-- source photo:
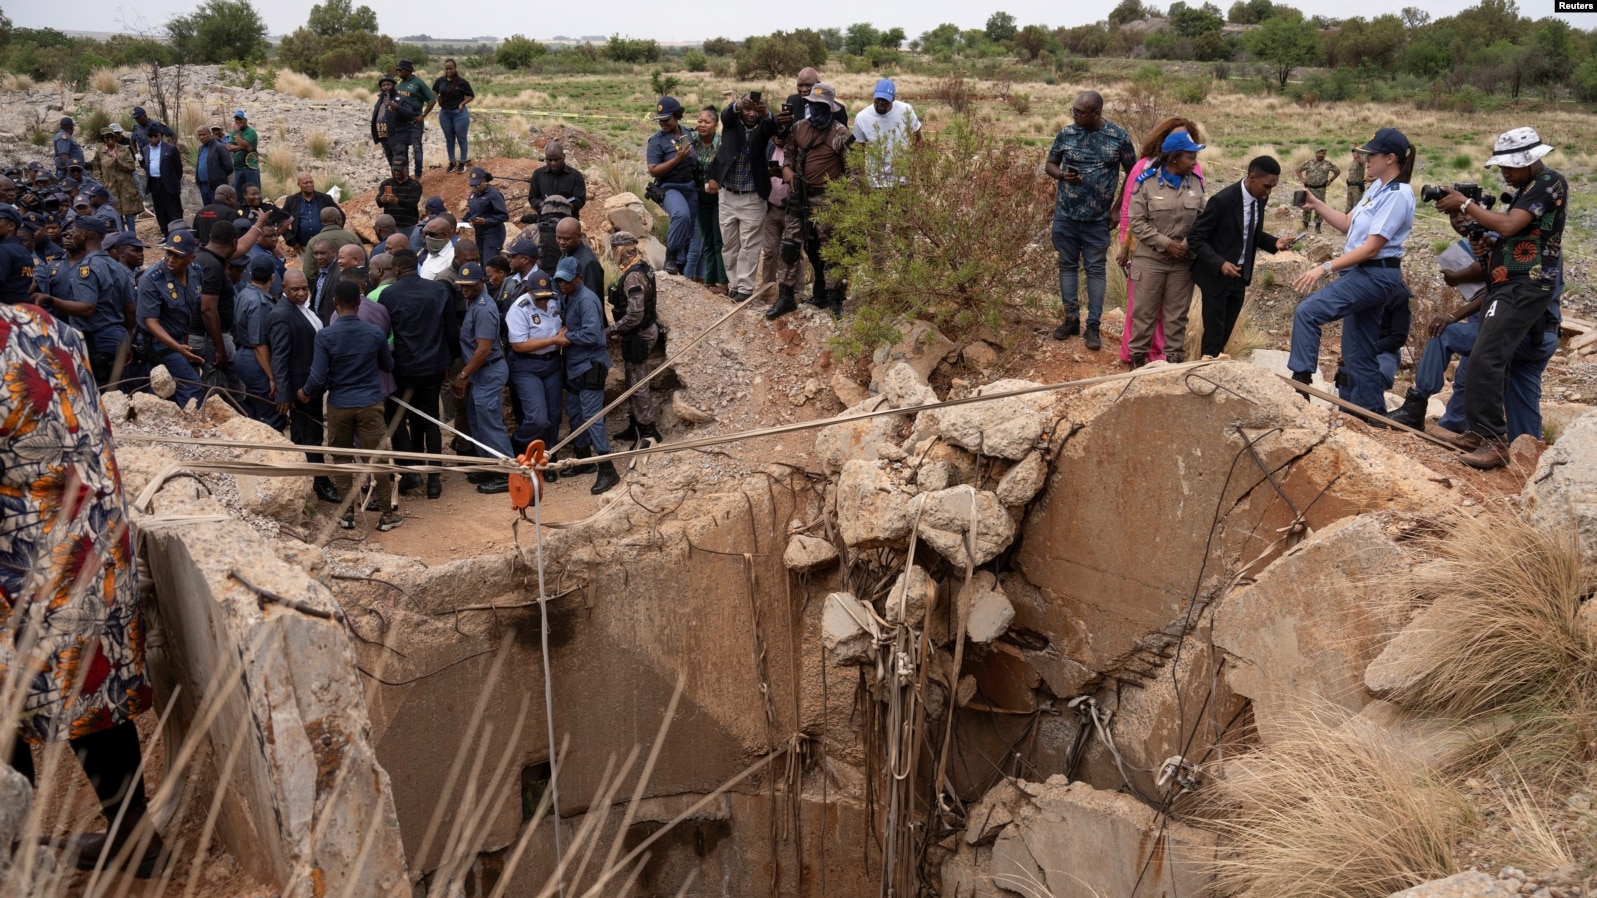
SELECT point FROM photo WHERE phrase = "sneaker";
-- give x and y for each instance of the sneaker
(389, 521)
(1093, 339)
(1070, 328)
(347, 522)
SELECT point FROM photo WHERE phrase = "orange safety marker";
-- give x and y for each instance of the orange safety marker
(524, 487)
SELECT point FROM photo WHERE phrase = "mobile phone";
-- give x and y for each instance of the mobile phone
(1300, 198)
(1300, 238)
(1071, 170)
(755, 96)
(276, 217)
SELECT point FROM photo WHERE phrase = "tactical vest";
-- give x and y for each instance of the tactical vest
(618, 295)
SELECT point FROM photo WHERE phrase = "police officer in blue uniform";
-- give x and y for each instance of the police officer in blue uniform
(98, 280)
(252, 361)
(66, 148)
(486, 211)
(481, 381)
(16, 263)
(168, 300)
(587, 364)
(536, 334)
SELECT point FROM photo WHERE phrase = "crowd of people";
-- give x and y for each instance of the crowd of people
(427, 328)
(1174, 235)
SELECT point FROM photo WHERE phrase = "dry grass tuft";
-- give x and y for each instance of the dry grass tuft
(318, 143)
(279, 163)
(106, 81)
(623, 177)
(1334, 813)
(189, 119)
(1514, 643)
(302, 86)
(11, 82)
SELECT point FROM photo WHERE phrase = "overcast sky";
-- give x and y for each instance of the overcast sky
(667, 21)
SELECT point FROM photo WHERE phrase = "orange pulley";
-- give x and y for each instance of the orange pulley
(523, 486)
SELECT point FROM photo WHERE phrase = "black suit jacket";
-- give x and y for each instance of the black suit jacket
(171, 168)
(1216, 238)
(733, 136)
(293, 342)
(292, 205)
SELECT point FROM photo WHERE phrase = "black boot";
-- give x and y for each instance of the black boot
(409, 483)
(1304, 377)
(1138, 359)
(784, 304)
(835, 298)
(607, 478)
(497, 483)
(325, 490)
(1070, 328)
(630, 434)
(1093, 339)
(435, 485)
(1175, 356)
(648, 435)
(819, 298)
(551, 476)
(582, 452)
(1412, 412)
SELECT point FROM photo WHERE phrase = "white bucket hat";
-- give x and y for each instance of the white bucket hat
(1518, 148)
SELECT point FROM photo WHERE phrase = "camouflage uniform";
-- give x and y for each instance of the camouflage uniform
(1315, 174)
(1355, 182)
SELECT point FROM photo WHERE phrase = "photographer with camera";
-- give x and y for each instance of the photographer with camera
(1371, 263)
(1452, 334)
(1524, 276)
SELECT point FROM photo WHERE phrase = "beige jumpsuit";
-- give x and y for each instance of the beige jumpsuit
(1161, 215)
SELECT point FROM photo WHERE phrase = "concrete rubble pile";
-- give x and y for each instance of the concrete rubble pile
(1103, 607)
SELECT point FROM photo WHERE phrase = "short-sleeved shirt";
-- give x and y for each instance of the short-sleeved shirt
(1316, 173)
(1537, 251)
(1099, 157)
(65, 145)
(172, 303)
(662, 147)
(481, 322)
(526, 321)
(1387, 210)
(246, 159)
(417, 90)
(891, 130)
(98, 279)
(215, 280)
(452, 93)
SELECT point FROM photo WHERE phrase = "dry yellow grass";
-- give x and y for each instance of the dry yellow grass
(11, 82)
(302, 86)
(106, 81)
(318, 143)
(1334, 813)
(279, 164)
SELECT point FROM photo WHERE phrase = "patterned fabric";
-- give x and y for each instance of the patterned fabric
(706, 151)
(1098, 156)
(1316, 173)
(67, 576)
(1537, 251)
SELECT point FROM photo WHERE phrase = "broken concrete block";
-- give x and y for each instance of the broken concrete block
(1002, 428)
(690, 413)
(216, 410)
(1562, 493)
(979, 355)
(625, 212)
(116, 406)
(1021, 482)
(806, 553)
(1400, 665)
(922, 347)
(989, 616)
(148, 408)
(161, 382)
(946, 516)
(992, 812)
(1304, 632)
(847, 391)
(279, 498)
(872, 509)
(1473, 884)
(867, 439)
(905, 387)
(913, 592)
(932, 476)
(848, 629)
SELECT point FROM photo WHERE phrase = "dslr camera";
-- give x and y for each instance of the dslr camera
(1430, 194)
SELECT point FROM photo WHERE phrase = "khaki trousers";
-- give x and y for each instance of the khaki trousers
(1164, 292)
(343, 426)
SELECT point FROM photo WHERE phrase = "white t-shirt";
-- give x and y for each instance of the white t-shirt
(891, 130)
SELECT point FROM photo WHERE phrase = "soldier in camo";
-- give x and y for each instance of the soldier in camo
(1355, 181)
(1317, 174)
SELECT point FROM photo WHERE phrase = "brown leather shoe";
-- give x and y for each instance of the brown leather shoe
(1468, 441)
(1492, 453)
(85, 852)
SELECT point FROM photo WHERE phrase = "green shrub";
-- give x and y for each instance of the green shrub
(663, 84)
(518, 52)
(978, 205)
(695, 61)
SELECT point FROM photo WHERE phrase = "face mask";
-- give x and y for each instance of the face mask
(821, 115)
(435, 244)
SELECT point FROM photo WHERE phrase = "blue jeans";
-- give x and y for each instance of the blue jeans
(580, 406)
(682, 204)
(538, 385)
(1356, 299)
(485, 407)
(455, 123)
(243, 176)
(1082, 244)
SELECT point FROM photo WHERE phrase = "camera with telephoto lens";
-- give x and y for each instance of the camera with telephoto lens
(1430, 194)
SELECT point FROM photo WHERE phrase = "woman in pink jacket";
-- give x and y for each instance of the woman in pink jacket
(1148, 150)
